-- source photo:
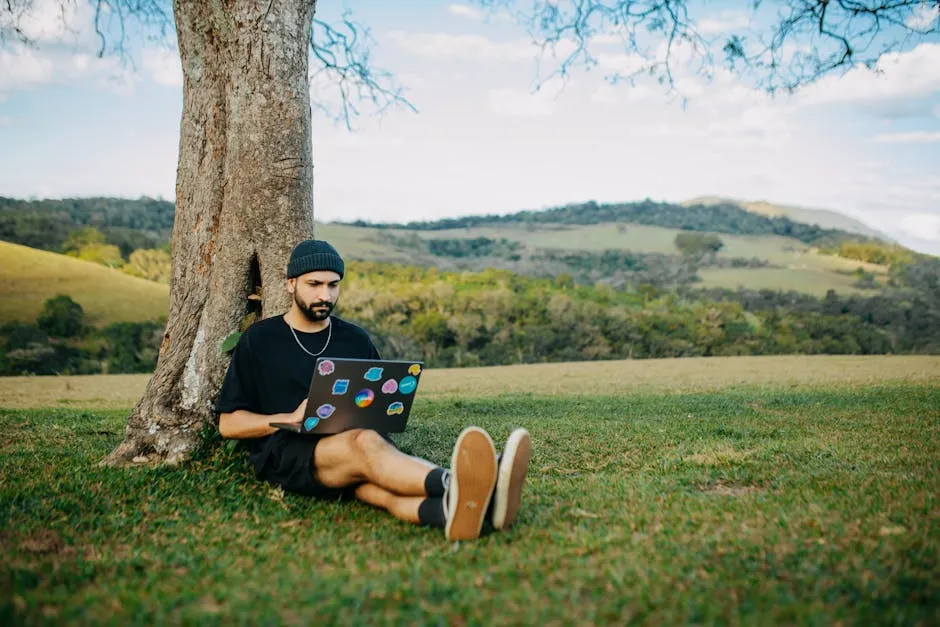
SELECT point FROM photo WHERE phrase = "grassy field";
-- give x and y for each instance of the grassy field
(691, 375)
(749, 501)
(28, 277)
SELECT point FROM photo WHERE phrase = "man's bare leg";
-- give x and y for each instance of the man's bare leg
(404, 508)
(363, 456)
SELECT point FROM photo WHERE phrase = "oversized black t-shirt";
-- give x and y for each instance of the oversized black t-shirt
(270, 374)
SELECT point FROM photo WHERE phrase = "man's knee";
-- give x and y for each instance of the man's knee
(366, 442)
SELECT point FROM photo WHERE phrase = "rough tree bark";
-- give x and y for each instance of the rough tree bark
(244, 198)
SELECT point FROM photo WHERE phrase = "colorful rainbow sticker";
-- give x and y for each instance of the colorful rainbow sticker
(414, 369)
(311, 423)
(407, 385)
(395, 408)
(373, 374)
(340, 386)
(326, 367)
(390, 386)
(325, 411)
(364, 398)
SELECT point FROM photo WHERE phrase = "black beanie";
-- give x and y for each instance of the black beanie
(312, 255)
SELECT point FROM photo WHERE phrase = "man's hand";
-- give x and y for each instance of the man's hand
(298, 414)
(245, 424)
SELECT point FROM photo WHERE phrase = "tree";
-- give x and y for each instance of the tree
(698, 244)
(61, 317)
(81, 238)
(153, 264)
(244, 186)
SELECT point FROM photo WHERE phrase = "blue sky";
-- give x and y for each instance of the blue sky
(485, 141)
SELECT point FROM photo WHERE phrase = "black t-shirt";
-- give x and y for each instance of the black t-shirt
(270, 374)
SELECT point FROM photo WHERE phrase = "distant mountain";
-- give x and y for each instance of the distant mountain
(826, 218)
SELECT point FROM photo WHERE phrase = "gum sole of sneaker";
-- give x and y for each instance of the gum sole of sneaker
(512, 473)
(473, 468)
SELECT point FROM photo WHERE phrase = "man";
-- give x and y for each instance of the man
(270, 374)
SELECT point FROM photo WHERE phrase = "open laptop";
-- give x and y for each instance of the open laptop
(358, 394)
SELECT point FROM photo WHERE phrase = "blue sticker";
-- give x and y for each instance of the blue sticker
(373, 374)
(407, 385)
(325, 411)
(310, 423)
(340, 386)
(395, 408)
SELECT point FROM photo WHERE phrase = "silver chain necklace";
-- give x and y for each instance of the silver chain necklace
(329, 336)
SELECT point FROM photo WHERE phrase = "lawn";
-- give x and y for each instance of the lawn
(746, 504)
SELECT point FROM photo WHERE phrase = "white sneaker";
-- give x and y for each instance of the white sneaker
(472, 481)
(513, 467)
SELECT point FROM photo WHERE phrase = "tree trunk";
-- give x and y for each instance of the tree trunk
(244, 198)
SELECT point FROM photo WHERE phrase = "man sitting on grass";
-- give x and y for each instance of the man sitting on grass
(270, 374)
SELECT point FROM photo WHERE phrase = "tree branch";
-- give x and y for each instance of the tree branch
(344, 56)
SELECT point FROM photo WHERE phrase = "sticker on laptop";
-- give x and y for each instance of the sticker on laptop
(326, 367)
(311, 423)
(364, 398)
(414, 369)
(395, 408)
(325, 411)
(340, 386)
(373, 374)
(407, 385)
(390, 386)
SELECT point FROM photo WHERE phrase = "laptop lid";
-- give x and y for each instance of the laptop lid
(359, 394)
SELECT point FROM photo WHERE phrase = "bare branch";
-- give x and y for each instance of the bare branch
(344, 57)
(807, 40)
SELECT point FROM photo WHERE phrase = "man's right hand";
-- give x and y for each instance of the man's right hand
(298, 414)
(245, 424)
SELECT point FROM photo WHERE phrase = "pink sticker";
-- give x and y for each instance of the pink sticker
(326, 367)
(390, 386)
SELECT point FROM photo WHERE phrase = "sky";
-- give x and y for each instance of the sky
(494, 131)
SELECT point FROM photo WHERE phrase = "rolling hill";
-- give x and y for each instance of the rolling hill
(825, 218)
(793, 265)
(28, 277)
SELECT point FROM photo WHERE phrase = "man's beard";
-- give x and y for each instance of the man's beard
(310, 310)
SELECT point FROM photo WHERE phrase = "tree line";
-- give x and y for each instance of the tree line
(722, 217)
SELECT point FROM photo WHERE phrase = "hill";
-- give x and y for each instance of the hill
(28, 277)
(625, 244)
(786, 263)
(825, 218)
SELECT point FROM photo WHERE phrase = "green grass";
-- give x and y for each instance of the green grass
(756, 507)
(28, 277)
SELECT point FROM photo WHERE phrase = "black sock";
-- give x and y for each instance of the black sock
(436, 482)
(431, 513)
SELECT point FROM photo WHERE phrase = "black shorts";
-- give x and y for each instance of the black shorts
(286, 459)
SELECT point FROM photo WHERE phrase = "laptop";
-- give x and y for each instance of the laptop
(358, 394)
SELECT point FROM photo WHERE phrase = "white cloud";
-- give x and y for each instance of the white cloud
(723, 23)
(914, 137)
(463, 10)
(898, 77)
(464, 46)
(517, 102)
(477, 47)
(164, 66)
(924, 17)
(24, 68)
(925, 226)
